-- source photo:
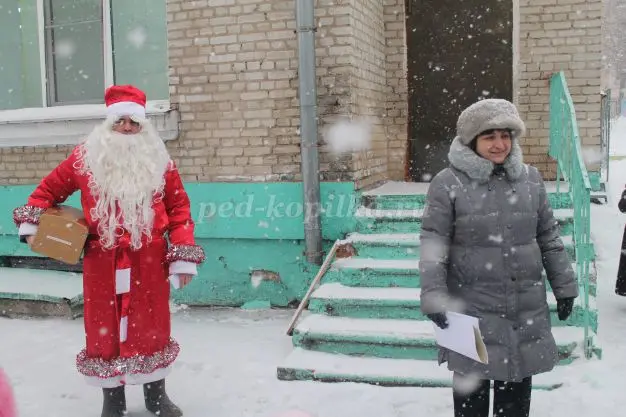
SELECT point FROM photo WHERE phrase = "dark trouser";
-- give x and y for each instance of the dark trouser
(620, 284)
(511, 399)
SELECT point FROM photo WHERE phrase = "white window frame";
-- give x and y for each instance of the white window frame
(12, 121)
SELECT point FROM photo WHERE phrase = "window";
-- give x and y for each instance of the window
(66, 52)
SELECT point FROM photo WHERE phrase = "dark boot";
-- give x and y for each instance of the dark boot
(157, 400)
(114, 404)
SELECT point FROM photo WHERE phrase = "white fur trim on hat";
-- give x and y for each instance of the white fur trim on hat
(126, 108)
(486, 115)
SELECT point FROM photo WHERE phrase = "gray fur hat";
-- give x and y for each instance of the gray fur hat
(493, 113)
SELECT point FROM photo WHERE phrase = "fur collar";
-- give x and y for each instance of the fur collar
(480, 169)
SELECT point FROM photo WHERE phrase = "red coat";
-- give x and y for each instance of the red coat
(126, 292)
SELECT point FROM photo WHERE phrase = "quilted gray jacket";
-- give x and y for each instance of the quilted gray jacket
(486, 237)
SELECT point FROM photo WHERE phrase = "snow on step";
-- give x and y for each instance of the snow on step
(417, 188)
(40, 282)
(568, 241)
(372, 263)
(401, 329)
(346, 326)
(412, 238)
(384, 214)
(561, 214)
(390, 369)
(551, 186)
(399, 188)
(328, 363)
(337, 291)
(364, 212)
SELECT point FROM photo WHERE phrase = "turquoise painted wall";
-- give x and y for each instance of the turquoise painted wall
(252, 234)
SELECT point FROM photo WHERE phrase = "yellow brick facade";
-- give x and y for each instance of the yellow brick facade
(234, 81)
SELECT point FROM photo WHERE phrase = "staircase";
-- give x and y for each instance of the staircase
(364, 323)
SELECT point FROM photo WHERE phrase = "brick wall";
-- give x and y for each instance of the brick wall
(27, 165)
(559, 35)
(397, 88)
(234, 78)
(369, 85)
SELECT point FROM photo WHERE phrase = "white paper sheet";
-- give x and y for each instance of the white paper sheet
(463, 336)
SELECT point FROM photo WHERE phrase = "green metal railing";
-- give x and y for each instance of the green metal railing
(566, 150)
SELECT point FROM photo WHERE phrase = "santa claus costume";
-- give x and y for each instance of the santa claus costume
(141, 236)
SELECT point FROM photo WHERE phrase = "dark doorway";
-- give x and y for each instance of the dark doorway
(458, 51)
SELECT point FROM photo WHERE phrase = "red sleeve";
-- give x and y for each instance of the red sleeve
(180, 224)
(53, 189)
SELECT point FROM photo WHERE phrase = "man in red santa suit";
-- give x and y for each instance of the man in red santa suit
(141, 237)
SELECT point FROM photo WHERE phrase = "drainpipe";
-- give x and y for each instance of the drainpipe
(305, 22)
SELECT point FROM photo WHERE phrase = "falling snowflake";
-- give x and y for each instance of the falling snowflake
(348, 136)
(496, 238)
(137, 37)
(64, 48)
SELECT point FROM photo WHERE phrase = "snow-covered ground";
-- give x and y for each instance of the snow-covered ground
(227, 367)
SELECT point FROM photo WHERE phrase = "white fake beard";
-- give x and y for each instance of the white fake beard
(126, 173)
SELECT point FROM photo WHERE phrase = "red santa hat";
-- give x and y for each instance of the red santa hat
(125, 100)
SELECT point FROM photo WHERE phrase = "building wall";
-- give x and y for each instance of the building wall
(27, 165)
(369, 85)
(559, 35)
(397, 113)
(234, 79)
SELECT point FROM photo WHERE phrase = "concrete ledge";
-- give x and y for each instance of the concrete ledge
(32, 292)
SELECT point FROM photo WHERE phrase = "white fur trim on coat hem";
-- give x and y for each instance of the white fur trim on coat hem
(131, 379)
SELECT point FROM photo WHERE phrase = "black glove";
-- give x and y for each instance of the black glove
(439, 319)
(564, 307)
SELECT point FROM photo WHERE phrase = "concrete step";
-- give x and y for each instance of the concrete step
(398, 339)
(369, 272)
(396, 195)
(36, 292)
(307, 365)
(385, 246)
(336, 299)
(405, 221)
(383, 273)
(405, 245)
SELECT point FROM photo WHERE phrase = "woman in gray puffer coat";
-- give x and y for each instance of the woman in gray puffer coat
(488, 231)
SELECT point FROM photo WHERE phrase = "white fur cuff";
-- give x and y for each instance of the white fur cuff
(183, 267)
(27, 229)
